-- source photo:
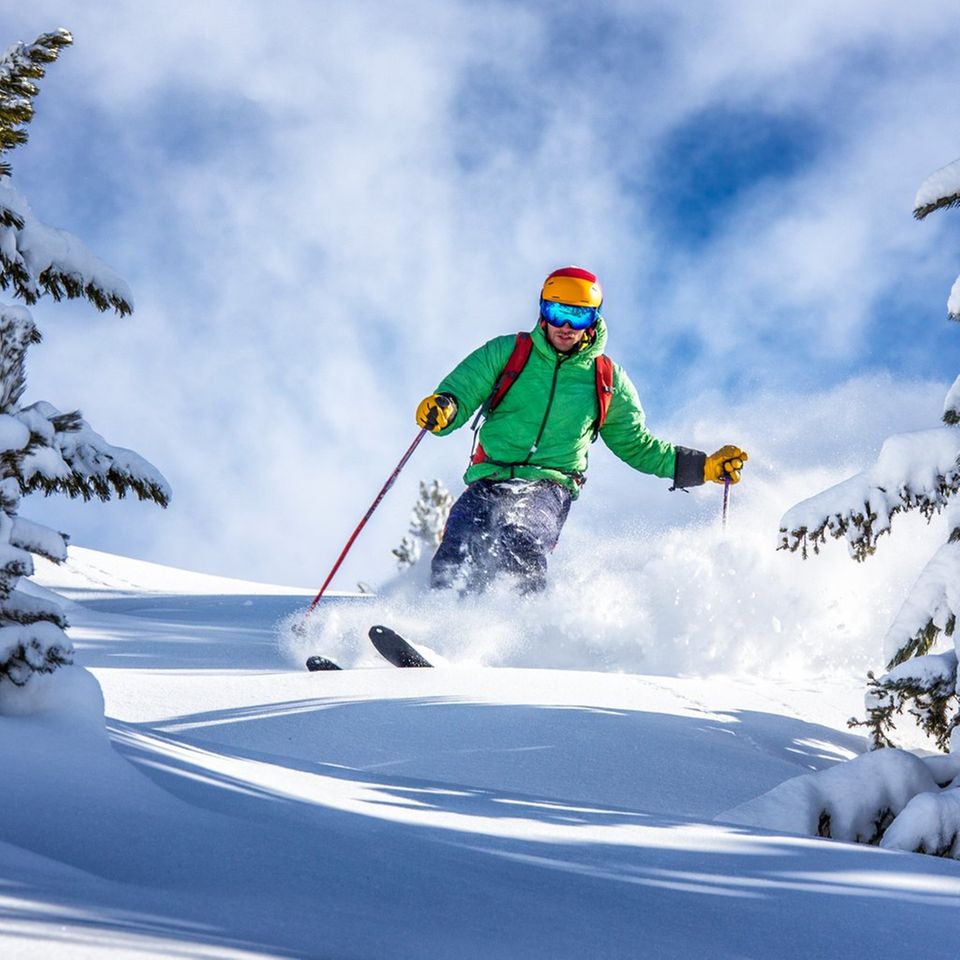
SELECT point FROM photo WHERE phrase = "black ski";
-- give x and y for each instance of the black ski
(321, 663)
(391, 646)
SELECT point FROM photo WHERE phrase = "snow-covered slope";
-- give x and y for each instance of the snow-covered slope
(87, 573)
(237, 806)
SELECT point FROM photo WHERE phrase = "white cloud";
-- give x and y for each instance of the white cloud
(322, 207)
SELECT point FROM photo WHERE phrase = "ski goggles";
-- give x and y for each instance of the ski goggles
(558, 314)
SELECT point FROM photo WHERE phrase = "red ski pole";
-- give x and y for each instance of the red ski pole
(367, 515)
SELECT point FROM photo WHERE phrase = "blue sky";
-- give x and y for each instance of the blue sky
(322, 206)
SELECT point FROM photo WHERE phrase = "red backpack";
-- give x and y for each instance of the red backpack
(522, 348)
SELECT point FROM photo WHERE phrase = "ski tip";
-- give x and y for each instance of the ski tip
(393, 648)
(321, 663)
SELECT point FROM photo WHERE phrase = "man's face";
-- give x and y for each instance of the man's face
(563, 339)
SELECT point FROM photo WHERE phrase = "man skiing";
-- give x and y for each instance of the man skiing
(543, 398)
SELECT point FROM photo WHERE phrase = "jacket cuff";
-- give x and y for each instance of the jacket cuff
(688, 471)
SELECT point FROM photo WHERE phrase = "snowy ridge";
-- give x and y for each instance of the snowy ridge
(87, 572)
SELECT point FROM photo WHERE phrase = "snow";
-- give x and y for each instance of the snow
(849, 795)
(92, 574)
(231, 805)
(14, 435)
(928, 670)
(38, 539)
(934, 597)
(676, 602)
(931, 821)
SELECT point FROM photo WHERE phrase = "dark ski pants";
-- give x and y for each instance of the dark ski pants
(501, 526)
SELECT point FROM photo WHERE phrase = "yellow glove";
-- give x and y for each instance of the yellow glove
(436, 411)
(728, 461)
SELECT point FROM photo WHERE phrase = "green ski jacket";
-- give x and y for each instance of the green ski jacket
(543, 427)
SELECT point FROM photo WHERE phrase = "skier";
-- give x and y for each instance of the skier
(543, 398)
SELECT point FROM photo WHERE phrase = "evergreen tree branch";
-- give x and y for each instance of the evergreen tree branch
(17, 334)
(42, 653)
(20, 67)
(62, 285)
(943, 203)
(932, 694)
(862, 508)
(104, 486)
(921, 643)
(10, 218)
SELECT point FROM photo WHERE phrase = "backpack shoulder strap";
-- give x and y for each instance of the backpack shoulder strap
(517, 360)
(603, 370)
(522, 348)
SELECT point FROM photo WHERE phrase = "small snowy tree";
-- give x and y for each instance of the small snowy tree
(427, 521)
(40, 447)
(914, 471)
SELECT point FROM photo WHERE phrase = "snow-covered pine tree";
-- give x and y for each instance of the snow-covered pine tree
(914, 471)
(427, 521)
(40, 447)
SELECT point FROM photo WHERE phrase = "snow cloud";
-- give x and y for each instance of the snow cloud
(321, 207)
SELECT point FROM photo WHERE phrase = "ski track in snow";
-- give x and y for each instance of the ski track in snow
(235, 806)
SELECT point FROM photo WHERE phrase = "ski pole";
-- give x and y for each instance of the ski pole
(376, 503)
(726, 499)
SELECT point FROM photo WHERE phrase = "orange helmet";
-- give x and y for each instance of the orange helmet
(573, 285)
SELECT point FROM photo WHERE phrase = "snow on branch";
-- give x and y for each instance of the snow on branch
(20, 67)
(918, 470)
(951, 404)
(68, 456)
(925, 686)
(930, 823)
(37, 259)
(931, 607)
(31, 648)
(854, 801)
(38, 539)
(14, 564)
(939, 191)
(889, 798)
(21, 608)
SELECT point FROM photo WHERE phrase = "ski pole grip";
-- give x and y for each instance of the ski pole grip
(441, 402)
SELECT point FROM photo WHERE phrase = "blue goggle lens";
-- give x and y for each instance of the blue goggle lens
(557, 314)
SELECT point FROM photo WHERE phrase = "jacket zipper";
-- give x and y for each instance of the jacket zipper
(546, 414)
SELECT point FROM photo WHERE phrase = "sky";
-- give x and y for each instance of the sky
(321, 207)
